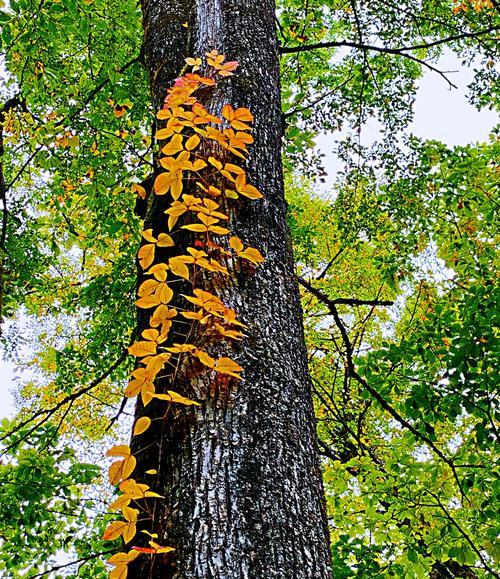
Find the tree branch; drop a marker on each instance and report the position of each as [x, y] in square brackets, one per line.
[387, 49]
[397, 51]
[96, 90]
[463, 533]
[45, 414]
[341, 301]
[376, 395]
[82, 560]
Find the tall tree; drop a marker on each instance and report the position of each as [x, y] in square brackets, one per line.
[240, 475]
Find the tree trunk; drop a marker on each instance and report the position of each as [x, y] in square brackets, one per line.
[240, 474]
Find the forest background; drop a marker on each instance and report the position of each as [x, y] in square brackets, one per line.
[405, 391]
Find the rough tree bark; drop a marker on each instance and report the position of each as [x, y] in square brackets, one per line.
[240, 475]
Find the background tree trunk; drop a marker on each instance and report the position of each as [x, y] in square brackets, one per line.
[240, 475]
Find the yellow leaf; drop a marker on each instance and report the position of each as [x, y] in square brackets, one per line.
[194, 62]
[142, 348]
[123, 558]
[129, 532]
[178, 267]
[176, 188]
[147, 287]
[225, 365]
[198, 165]
[217, 164]
[237, 117]
[236, 244]
[151, 334]
[148, 302]
[119, 572]
[152, 471]
[121, 469]
[130, 514]
[119, 450]
[164, 549]
[234, 169]
[164, 293]
[164, 240]
[194, 315]
[216, 266]
[139, 189]
[235, 335]
[159, 271]
[161, 314]
[251, 192]
[154, 365]
[114, 530]
[252, 255]
[142, 425]
[218, 230]
[168, 180]
[134, 387]
[205, 359]
[207, 219]
[121, 501]
[147, 393]
[174, 397]
[148, 235]
[207, 301]
[180, 348]
[196, 227]
[173, 146]
[192, 142]
[163, 134]
[146, 255]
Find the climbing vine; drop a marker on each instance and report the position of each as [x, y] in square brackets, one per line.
[202, 173]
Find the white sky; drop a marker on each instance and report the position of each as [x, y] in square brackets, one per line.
[440, 113]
